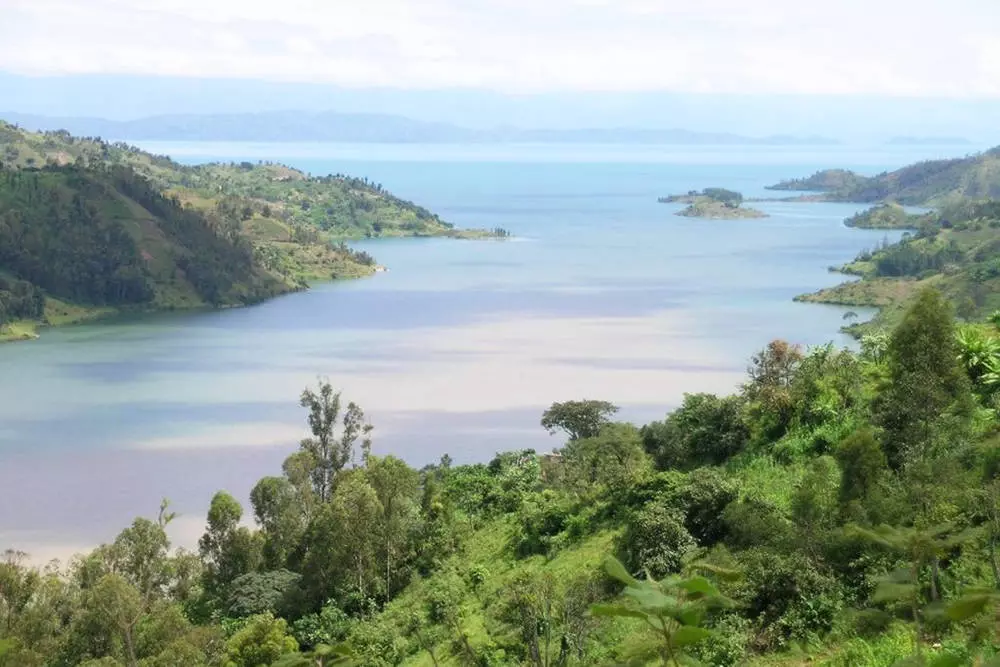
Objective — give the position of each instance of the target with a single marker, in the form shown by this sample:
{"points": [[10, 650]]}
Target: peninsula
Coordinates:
{"points": [[89, 228]]}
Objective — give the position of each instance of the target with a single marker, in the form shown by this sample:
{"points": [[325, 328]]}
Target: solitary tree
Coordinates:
{"points": [[578, 419]]}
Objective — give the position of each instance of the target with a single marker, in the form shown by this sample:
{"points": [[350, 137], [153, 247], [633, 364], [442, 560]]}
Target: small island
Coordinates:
{"points": [[714, 204]]}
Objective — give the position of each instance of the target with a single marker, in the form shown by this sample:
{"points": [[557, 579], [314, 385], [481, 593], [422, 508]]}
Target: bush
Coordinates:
{"points": [[704, 498], [655, 541], [704, 430], [788, 596]]}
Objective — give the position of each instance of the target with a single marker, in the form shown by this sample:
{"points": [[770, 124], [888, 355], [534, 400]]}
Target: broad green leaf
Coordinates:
{"points": [[650, 598], [616, 570], [689, 634], [699, 586], [890, 592], [968, 606], [617, 610]]}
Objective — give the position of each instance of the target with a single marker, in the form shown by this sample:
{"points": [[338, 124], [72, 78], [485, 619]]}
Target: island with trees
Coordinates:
{"points": [[714, 204], [89, 228], [840, 508]]}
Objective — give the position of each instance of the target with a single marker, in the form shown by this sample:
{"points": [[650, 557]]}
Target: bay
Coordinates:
{"points": [[603, 293]]}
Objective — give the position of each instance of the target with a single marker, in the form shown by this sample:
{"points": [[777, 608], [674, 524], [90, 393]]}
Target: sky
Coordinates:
{"points": [[884, 47], [869, 68]]}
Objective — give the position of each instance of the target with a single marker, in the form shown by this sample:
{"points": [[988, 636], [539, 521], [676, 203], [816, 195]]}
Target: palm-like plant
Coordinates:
{"points": [[980, 355]]}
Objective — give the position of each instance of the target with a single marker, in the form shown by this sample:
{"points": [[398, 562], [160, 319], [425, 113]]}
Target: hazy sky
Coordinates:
{"points": [[884, 47]]}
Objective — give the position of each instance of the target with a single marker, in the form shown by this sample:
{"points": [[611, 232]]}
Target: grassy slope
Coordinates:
{"points": [[487, 551]]}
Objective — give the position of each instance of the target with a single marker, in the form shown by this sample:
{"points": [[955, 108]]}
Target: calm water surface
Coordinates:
{"points": [[458, 348]]}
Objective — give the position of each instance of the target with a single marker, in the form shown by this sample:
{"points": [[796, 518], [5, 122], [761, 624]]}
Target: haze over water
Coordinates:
{"points": [[458, 348]]}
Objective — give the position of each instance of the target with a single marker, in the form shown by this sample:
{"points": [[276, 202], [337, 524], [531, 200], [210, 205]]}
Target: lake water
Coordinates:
{"points": [[458, 348]]}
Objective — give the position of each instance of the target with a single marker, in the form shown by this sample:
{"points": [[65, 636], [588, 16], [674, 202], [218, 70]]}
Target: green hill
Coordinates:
{"points": [[109, 240], [956, 250], [339, 205], [888, 215], [822, 181], [88, 228], [929, 183]]}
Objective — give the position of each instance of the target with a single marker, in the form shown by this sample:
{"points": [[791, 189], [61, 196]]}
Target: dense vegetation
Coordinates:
{"points": [[928, 183], [888, 215], [956, 250], [840, 509], [272, 195], [88, 227], [822, 181]]}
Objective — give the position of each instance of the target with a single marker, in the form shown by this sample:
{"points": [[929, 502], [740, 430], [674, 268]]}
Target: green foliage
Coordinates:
{"points": [[578, 419], [923, 371], [704, 430], [674, 609], [655, 541], [262, 641], [257, 593], [723, 195], [612, 459]]}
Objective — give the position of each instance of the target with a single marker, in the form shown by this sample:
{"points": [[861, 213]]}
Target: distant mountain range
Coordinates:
{"points": [[370, 128], [928, 141]]}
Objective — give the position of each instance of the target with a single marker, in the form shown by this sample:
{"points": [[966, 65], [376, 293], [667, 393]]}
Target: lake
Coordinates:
{"points": [[458, 348]]}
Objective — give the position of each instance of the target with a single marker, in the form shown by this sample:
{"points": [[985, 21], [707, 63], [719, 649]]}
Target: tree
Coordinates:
{"points": [[331, 453], [262, 641], [704, 430], [927, 403], [578, 419], [279, 513], [395, 484], [343, 545], [227, 548], [655, 541], [862, 466], [548, 617], [612, 459]]}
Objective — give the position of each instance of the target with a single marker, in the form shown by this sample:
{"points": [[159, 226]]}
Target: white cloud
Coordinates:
{"points": [[896, 47]]}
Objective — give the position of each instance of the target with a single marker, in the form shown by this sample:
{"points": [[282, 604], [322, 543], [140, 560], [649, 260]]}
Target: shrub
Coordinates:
{"points": [[655, 541]]}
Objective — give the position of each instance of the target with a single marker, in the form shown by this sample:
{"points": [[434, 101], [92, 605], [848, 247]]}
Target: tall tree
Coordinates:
{"points": [[927, 403], [331, 453], [395, 484], [227, 548]]}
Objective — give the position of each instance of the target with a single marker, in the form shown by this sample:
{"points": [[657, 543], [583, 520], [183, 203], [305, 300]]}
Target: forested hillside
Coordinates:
{"points": [[88, 228], [956, 250], [77, 242], [840, 509], [343, 206], [929, 183]]}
